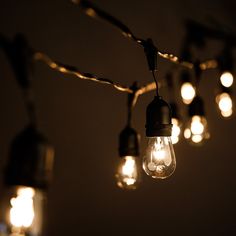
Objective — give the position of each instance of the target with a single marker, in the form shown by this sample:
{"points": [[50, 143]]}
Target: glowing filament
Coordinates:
{"points": [[22, 210]]}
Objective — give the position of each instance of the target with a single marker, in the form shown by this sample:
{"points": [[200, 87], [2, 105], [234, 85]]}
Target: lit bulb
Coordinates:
{"points": [[226, 79], [196, 130], [159, 160], [225, 104], [187, 92], [175, 130], [127, 174], [22, 212]]}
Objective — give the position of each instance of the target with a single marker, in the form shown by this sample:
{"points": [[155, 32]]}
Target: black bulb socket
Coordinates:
{"points": [[158, 118], [174, 110], [196, 107], [30, 161], [128, 142], [185, 77]]}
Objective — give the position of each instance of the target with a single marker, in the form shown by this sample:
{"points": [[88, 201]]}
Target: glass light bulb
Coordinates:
{"points": [[196, 131], [175, 130], [187, 92], [127, 174], [159, 160], [225, 104], [21, 212], [226, 79]]}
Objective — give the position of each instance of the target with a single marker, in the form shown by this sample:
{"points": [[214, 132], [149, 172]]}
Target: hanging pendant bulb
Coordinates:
{"points": [[224, 102], [28, 173], [159, 159], [128, 173], [187, 90], [196, 131]]}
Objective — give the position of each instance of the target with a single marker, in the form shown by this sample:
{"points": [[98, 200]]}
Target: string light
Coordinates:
{"points": [[187, 90], [159, 159], [196, 131], [224, 102]]}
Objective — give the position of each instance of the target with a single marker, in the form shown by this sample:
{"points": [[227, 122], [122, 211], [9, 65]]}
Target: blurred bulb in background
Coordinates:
{"points": [[196, 131], [225, 104], [127, 174], [226, 79], [187, 92], [22, 212], [175, 130], [159, 160]]}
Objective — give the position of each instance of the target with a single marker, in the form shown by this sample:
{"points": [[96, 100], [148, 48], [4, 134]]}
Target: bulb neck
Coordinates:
{"points": [[158, 118], [128, 142]]}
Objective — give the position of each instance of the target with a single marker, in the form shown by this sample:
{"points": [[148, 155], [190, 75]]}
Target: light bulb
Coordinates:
{"points": [[196, 131], [127, 174], [226, 79], [175, 130], [187, 92], [159, 160], [21, 212], [225, 104]]}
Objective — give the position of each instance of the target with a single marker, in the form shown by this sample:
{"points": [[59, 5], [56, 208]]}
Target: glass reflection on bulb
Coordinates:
{"points": [[196, 130], [127, 175], [159, 160], [175, 130], [21, 212], [225, 104], [187, 92], [226, 79]]}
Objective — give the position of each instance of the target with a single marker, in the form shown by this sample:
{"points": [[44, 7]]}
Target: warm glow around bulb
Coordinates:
{"points": [[22, 209], [227, 113], [187, 92], [175, 130], [225, 104], [159, 160], [196, 130], [127, 174], [128, 167], [226, 79], [197, 126]]}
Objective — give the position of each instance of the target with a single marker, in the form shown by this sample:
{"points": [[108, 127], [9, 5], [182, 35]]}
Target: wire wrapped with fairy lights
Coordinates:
{"points": [[29, 168]]}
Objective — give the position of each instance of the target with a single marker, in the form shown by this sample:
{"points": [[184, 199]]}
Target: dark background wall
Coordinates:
{"points": [[83, 119]]}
